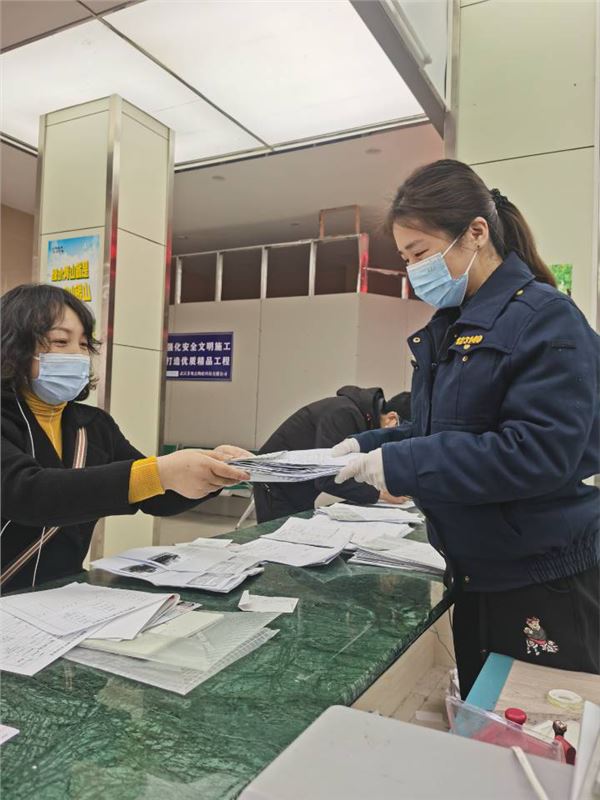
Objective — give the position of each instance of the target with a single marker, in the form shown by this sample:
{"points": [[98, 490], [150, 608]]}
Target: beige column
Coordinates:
{"points": [[525, 110], [105, 170]]}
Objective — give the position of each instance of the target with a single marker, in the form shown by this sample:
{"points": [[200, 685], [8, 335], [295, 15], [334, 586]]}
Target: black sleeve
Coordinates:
{"points": [[333, 428], [36, 495]]}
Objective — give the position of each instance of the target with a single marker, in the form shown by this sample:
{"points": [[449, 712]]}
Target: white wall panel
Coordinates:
{"points": [[135, 396], [526, 77], [555, 192], [74, 192], [308, 350], [140, 292], [143, 181]]}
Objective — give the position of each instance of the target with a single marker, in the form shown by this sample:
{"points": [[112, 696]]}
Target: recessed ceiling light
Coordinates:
{"points": [[218, 178], [373, 151]]}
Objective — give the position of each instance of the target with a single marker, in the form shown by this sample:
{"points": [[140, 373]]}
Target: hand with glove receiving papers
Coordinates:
{"points": [[365, 468], [345, 448]]}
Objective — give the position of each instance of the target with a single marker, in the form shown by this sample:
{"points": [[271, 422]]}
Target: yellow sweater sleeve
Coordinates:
{"points": [[144, 480]]}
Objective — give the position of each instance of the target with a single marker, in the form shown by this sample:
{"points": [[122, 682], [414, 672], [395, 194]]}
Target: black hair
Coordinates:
{"points": [[28, 313], [400, 403], [447, 195]]}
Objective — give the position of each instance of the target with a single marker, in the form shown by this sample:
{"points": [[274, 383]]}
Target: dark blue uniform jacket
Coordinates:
{"points": [[505, 429]]}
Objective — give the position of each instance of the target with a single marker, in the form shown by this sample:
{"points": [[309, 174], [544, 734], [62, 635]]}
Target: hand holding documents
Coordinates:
{"points": [[292, 466]]}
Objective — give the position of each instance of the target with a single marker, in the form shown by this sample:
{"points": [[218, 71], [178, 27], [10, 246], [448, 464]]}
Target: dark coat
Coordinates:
{"points": [[323, 423], [505, 428], [43, 491]]}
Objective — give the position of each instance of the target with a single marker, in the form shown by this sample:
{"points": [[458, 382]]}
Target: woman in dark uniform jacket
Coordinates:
{"points": [[504, 430], [50, 508]]}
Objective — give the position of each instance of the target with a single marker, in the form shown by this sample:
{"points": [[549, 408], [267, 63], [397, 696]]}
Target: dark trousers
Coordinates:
{"points": [[555, 624], [274, 500]]}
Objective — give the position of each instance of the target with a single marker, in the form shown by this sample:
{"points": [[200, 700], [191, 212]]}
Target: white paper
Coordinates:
{"points": [[203, 541], [378, 535], [26, 649], [196, 558], [257, 602], [319, 455], [129, 625], [182, 607], [294, 555], [151, 642], [6, 733], [222, 584], [407, 555], [180, 680], [219, 569], [348, 513], [76, 607], [317, 531], [293, 466]]}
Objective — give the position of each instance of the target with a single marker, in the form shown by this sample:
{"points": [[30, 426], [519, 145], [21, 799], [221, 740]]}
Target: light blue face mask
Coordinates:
{"points": [[433, 283], [62, 377]]}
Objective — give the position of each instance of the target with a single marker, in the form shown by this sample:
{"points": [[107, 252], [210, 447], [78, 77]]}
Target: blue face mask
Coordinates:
{"points": [[433, 283], [62, 377]]}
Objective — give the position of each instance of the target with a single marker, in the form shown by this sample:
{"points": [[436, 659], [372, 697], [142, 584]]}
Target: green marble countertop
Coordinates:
{"points": [[87, 734]]}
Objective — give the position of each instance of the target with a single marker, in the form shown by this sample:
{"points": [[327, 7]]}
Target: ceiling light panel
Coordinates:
{"points": [[88, 62], [286, 69]]}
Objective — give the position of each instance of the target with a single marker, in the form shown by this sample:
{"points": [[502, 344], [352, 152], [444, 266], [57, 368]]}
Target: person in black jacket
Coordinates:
{"points": [[64, 464], [505, 429], [322, 424]]}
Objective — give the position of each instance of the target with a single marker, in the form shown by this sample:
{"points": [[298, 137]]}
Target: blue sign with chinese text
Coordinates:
{"points": [[199, 356]]}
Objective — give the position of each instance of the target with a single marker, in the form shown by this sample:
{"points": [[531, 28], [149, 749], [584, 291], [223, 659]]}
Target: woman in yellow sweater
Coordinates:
{"points": [[64, 464]]}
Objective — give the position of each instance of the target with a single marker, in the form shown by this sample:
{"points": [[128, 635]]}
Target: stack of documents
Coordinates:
{"points": [[292, 466], [183, 662], [342, 512], [322, 531], [39, 627], [409, 555], [318, 531], [209, 564], [266, 549]]}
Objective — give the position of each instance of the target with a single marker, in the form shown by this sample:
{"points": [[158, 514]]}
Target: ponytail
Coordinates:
{"points": [[516, 235], [448, 195]]}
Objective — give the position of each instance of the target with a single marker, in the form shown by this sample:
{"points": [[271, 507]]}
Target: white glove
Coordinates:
{"points": [[346, 447], [365, 468]]}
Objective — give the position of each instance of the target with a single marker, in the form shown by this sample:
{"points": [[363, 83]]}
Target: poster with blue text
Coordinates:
{"points": [[74, 264], [200, 356]]}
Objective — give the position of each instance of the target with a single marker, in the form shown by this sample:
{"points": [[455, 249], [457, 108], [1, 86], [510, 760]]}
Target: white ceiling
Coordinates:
{"points": [[274, 198], [226, 76], [278, 198]]}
